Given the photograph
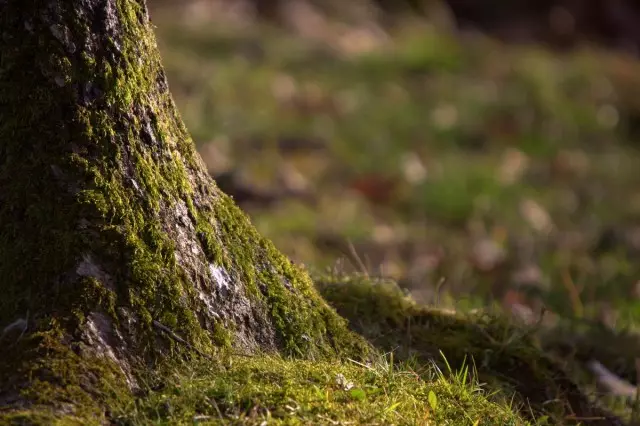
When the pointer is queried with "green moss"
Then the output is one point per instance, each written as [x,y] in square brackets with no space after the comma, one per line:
[505,356]
[246,390]
[68,385]
[307,327]
[222,337]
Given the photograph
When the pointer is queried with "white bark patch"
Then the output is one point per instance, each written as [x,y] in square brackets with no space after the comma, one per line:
[188,250]
[210,303]
[89,268]
[219,276]
[100,336]
[63,35]
[190,256]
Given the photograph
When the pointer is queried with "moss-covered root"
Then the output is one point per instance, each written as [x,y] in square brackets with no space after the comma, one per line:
[60,382]
[114,241]
[504,356]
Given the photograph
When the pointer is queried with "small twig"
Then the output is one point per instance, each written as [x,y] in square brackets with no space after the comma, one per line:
[586,419]
[611,382]
[21,324]
[179,339]
[333,422]
[439,286]
[357,259]
[215,405]
[574,293]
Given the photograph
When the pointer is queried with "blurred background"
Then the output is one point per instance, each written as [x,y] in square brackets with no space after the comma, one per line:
[480,153]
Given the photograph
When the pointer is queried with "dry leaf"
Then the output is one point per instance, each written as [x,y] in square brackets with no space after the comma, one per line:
[486,254]
[413,168]
[513,166]
[536,216]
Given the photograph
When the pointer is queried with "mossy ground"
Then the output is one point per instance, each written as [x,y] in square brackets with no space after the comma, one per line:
[507,358]
[240,390]
[440,368]
[431,367]
[68,387]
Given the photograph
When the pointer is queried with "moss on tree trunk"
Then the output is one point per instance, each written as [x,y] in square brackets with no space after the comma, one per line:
[117,250]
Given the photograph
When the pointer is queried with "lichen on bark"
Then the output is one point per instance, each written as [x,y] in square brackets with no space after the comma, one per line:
[110,225]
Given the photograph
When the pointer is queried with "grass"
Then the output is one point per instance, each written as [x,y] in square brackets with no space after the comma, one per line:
[432,367]
[241,390]
[493,131]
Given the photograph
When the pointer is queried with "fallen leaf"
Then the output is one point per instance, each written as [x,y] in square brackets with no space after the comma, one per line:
[536,216]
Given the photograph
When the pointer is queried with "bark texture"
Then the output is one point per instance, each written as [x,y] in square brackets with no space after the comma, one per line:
[117,250]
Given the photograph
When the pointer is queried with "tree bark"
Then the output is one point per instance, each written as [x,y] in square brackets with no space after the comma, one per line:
[117,250]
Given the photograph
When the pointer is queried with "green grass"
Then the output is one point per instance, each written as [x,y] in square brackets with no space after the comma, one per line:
[459,112]
[242,390]
[432,367]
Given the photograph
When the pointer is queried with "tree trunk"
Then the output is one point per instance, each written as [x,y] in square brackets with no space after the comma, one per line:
[117,250]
